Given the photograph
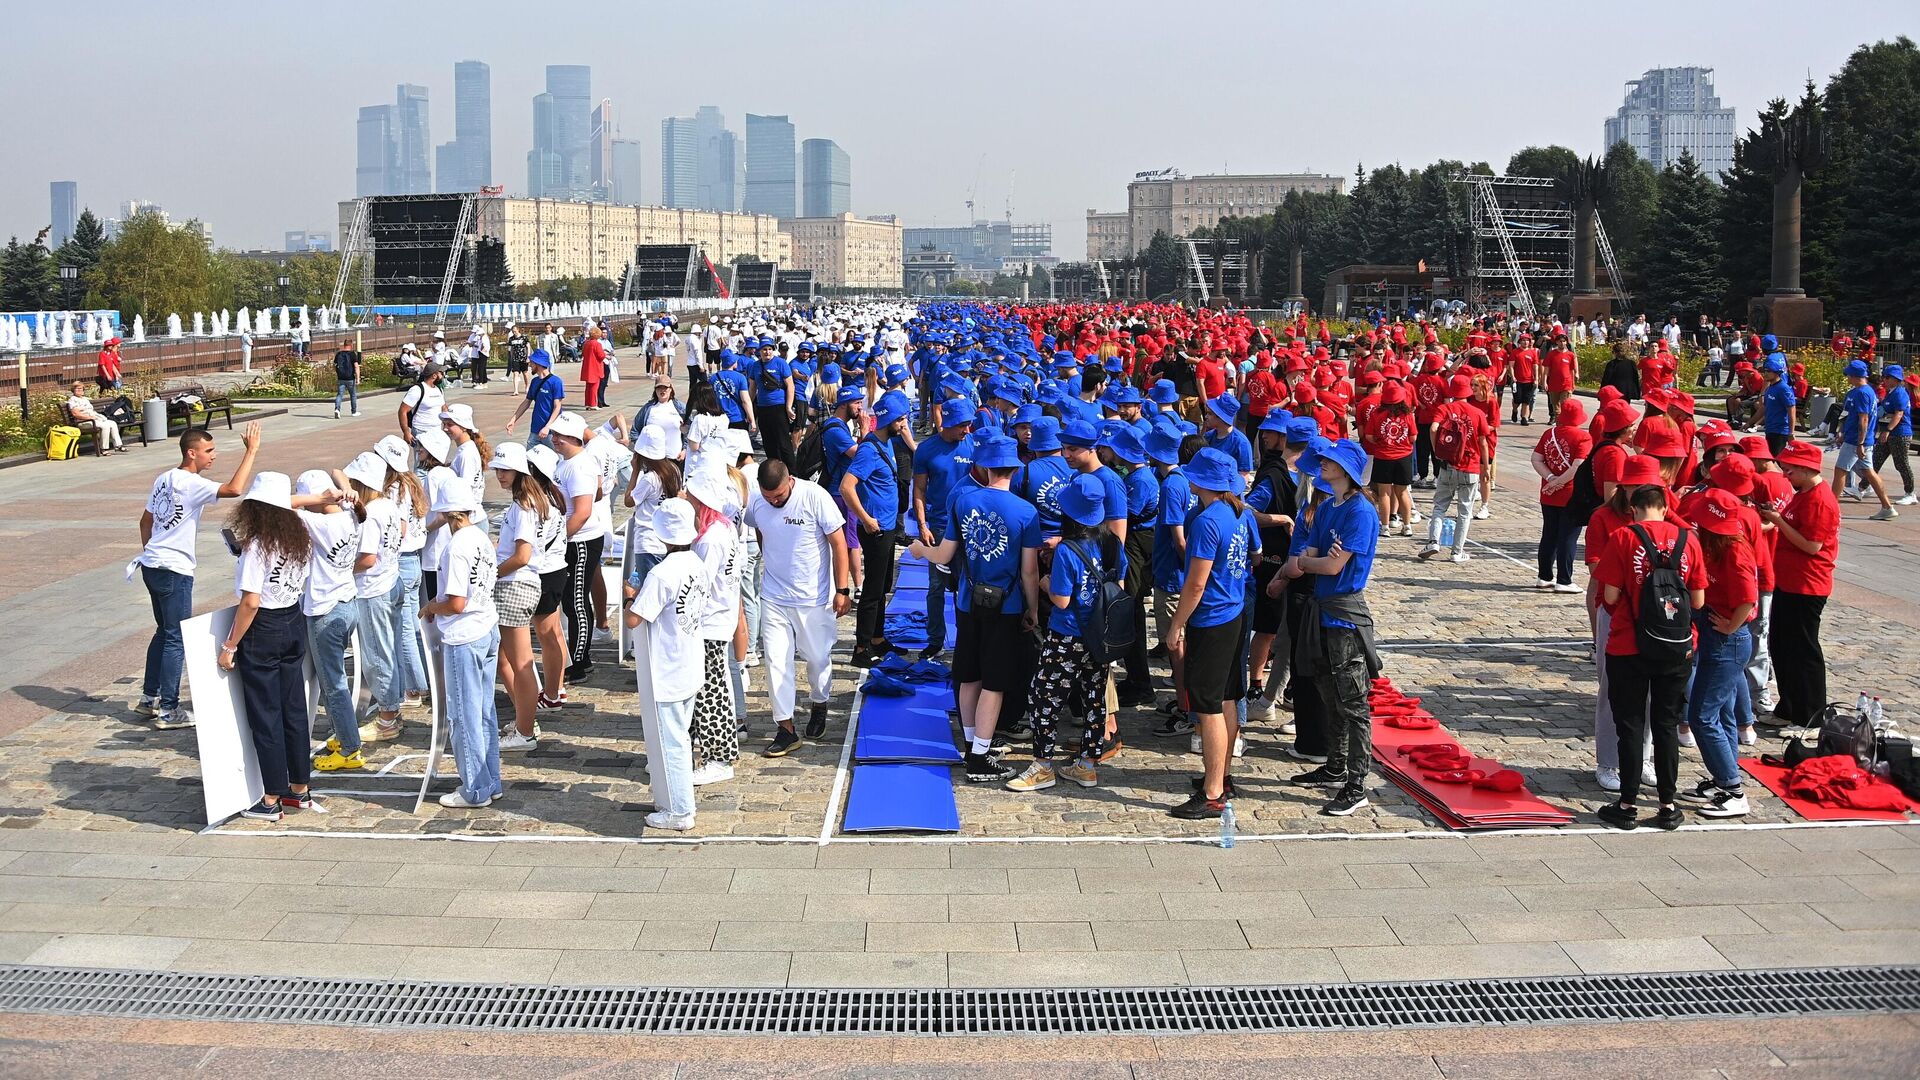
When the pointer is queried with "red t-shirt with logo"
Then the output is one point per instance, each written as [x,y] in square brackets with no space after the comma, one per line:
[1524,362]
[1625,567]
[1388,435]
[1263,392]
[1429,393]
[1733,579]
[1816,514]
[1562,448]
[1476,429]
[1559,371]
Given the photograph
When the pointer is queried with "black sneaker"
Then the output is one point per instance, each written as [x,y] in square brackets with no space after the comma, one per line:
[1229,789]
[986,769]
[263,810]
[1669,818]
[1174,727]
[1701,793]
[1158,652]
[1620,817]
[784,740]
[1322,777]
[1351,798]
[577,673]
[817,721]
[865,657]
[1199,808]
[1014,729]
[1133,698]
[298,801]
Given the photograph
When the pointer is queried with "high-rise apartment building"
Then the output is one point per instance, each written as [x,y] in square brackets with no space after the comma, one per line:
[376,150]
[546,166]
[826,179]
[66,209]
[722,169]
[413,144]
[626,187]
[770,166]
[1669,111]
[679,163]
[466,163]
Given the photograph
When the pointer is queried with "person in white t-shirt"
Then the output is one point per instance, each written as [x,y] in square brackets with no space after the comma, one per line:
[268,640]
[551,562]
[803,590]
[332,608]
[168,529]
[420,406]
[665,612]
[608,446]
[408,490]
[714,494]
[470,453]
[655,477]
[579,484]
[469,628]
[383,535]
[530,521]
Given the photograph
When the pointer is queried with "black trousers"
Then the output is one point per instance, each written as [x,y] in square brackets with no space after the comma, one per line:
[1310,713]
[1559,533]
[1423,465]
[1139,586]
[1343,688]
[1643,696]
[583,561]
[1799,665]
[776,432]
[877,553]
[1894,446]
[275,694]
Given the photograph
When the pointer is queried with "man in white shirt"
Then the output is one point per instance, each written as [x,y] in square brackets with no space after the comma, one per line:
[168,529]
[696,349]
[579,483]
[803,590]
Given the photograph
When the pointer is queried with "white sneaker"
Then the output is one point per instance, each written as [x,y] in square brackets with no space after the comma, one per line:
[1544,584]
[1568,588]
[1907,500]
[457,801]
[1428,552]
[1483,513]
[713,772]
[1851,494]
[147,706]
[178,718]
[660,819]
[1608,779]
[1686,736]
[1288,728]
[514,741]
[1885,513]
[752,660]
[1418,517]
[1461,556]
[600,636]
[1748,736]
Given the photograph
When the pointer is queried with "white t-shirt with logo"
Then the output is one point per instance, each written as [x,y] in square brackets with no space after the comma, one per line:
[580,475]
[426,403]
[336,545]
[611,457]
[175,503]
[550,545]
[645,494]
[467,466]
[671,604]
[381,536]
[517,524]
[415,539]
[281,582]
[468,571]
[719,551]
[435,552]
[796,559]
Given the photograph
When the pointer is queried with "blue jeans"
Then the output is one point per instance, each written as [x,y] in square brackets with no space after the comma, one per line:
[940,581]
[347,390]
[327,637]
[472,725]
[172,598]
[406,623]
[1719,675]
[750,598]
[376,618]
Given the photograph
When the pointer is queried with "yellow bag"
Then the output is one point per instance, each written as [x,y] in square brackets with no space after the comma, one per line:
[63,442]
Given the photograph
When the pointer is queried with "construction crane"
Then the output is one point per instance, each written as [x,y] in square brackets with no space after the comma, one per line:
[974,189]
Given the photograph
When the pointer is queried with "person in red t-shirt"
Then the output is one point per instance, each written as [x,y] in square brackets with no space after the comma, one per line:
[1646,696]
[1212,373]
[1556,458]
[1264,392]
[1563,371]
[1458,436]
[1487,401]
[1725,642]
[1803,562]
[1525,361]
[1386,434]
[1426,392]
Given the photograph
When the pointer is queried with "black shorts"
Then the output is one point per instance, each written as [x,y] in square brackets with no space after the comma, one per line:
[1269,613]
[1393,470]
[987,649]
[553,593]
[1216,665]
[515,367]
[1523,393]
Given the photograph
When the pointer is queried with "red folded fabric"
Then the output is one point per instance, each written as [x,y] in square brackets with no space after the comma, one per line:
[1505,781]
[1441,762]
[1457,776]
[1411,722]
[1429,748]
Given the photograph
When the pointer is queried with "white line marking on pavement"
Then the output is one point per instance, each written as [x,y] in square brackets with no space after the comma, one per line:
[1502,554]
[840,771]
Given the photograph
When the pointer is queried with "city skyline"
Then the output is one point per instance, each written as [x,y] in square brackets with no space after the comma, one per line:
[998,152]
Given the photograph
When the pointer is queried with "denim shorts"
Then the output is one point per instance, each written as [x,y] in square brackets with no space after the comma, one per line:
[1852,458]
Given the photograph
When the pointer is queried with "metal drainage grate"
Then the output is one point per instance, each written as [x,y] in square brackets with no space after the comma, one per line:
[160,995]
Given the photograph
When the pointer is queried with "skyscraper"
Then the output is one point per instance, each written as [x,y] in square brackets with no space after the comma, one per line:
[66,209]
[600,150]
[626,173]
[770,166]
[546,169]
[679,163]
[1670,110]
[466,163]
[414,170]
[377,150]
[826,179]
[722,170]
[571,87]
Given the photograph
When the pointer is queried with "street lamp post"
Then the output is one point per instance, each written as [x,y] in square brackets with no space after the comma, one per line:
[68,275]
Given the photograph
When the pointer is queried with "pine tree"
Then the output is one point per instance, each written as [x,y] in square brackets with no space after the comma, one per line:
[1881,249]
[1746,218]
[1680,269]
[27,279]
[1626,209]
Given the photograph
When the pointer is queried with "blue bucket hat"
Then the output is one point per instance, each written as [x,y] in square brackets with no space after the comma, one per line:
[1045,438]
[850,393]
[888,412]
[1125,445]
[1080,433]
[1857,369]
[1278,421]
[1347,454]
[539,358]
[1163,392]
[1127,395]
[953,418]
[1027,414]
[1084,499]
[1212,470]
[1894,372]
[1226,407]
[1317,447]
[1163,446]
[1302,429]
[996,453]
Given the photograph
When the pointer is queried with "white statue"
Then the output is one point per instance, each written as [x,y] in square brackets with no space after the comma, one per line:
[173,325]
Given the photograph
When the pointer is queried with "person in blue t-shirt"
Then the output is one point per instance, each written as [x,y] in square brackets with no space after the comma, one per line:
[1205,634]
[1067,675]
[1896,420]
[932,488]
[1040,480]
[1778,405]
[731,388]
[1858,413]
[1340,546]
[994,545]
[545,392]
[1082,441]
[1217,424]
[774,401]
[1167,448]
[1124,455]
[871,490]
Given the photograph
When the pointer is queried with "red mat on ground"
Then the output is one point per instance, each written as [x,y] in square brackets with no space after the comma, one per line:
[1458,806]
[1774,779]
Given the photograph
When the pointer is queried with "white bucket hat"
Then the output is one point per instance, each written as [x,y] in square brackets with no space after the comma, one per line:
[708,481]
[393,450]
[543,460]
[673,522]
[570,425]
[272,488]
[313,482]
[368,469]
[651,443]
[436,445]
[449,494]
[461,414]
[509,456]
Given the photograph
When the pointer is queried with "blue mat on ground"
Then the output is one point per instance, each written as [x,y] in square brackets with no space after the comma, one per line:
[911,575]
[901,798]
[907,728]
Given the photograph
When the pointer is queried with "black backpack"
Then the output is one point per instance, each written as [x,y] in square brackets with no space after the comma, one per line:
[811,458]
[1586,494]
[1663,628]
[1114,621]
[343,362]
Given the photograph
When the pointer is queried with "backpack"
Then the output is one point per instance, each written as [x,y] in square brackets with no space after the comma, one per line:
[1113,621]
[343,365]
[1846,731]
[1663,625]
[811,458]
[1585,498]
[1451,438]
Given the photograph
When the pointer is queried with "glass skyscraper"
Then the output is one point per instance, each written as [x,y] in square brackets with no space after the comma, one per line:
[466,163]
[770,166]
[66,209]
[1671,110]
[826,179]
[413,173]
[679,163]
[376,151]
[722,171]
[571,86]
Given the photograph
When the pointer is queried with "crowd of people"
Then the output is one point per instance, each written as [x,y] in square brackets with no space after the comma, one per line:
[1052,465]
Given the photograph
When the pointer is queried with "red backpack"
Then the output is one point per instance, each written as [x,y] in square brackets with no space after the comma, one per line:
[1453,441]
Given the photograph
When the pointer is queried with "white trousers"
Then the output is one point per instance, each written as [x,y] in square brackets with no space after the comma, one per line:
[109,432]
[807,631]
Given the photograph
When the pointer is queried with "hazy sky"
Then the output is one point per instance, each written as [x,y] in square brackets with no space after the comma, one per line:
[243,114]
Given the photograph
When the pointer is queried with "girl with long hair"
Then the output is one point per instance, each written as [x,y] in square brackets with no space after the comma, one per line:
[382,615]
[656,477]
[1725,642]
[469,626]
[471,453]
[710,487]
[1388,440]
[516,589]
[550,562]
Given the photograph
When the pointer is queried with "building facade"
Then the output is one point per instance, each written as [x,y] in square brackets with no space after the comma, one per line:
[600,150]
[374,151]
[1671,111]
[826,179]
[985,245]
[627,175]
[571,87]
[65,196]
[770,167]
[1109,234]
[1175,204]
[722,173]
[847,252]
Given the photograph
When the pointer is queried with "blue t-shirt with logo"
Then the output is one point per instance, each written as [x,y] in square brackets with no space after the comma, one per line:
[1143,495]
[1234,444]
[1116,490]
[1228,540]
[877,483]
[1176,502]
[1779,401]
[1861,405]
[546,393]
[836,449]
[930,459]
[1899,401]
[993,527]
[727,386]
[1073,575]
[1354,525]
[773,368]
[1039,482]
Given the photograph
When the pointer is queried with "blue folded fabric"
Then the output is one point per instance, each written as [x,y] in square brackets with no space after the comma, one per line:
[895,664]
[930,671]
[880,684]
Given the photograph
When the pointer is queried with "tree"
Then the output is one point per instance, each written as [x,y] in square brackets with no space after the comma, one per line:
[27,279]
[1166,263]
[1549,162]
[1680,271]
[1872,105]
[1746,216]
[153,268]
[82,251]
[1881,248]
[1626,209]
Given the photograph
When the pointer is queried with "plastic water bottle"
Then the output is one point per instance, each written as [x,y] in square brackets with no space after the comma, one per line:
[1446,532]
[1877,716]
[1862,706]
[1227,825]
